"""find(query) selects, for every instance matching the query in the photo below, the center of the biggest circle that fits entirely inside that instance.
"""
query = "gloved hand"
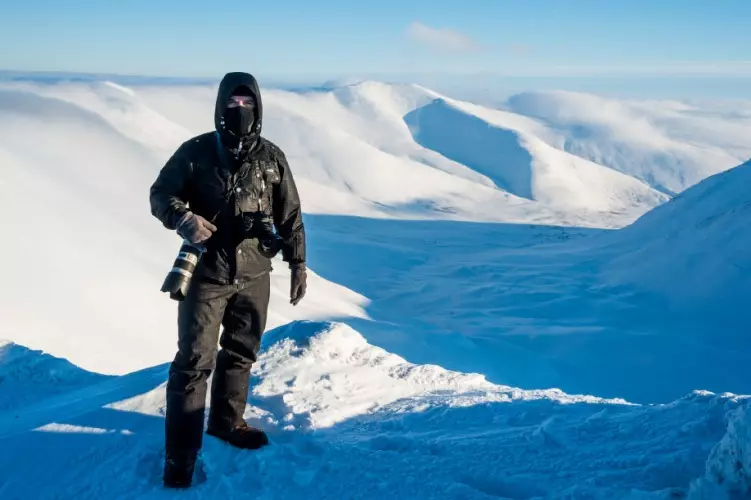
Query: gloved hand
(195, 228)
(298, 283)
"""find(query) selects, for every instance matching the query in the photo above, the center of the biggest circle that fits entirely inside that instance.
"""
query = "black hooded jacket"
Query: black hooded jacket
(207, 175)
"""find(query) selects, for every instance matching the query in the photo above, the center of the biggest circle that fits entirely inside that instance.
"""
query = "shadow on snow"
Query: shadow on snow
(525, 306)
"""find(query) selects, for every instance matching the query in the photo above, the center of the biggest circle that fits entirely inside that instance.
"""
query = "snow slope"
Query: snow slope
(539, 307)
(27, 376)
(350, 420)
(698, 250)
(88, 257)
(523, 164)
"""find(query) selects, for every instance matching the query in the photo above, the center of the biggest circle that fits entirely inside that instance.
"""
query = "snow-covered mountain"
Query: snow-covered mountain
(374, 149)
(667, 144)
(466, 280)
(77, 160)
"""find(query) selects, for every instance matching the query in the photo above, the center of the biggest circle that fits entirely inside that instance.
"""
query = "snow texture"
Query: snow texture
(728, 475)
(348, 419)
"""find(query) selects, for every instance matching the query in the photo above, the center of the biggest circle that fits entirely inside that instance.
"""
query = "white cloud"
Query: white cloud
(440, 38)
(678, 69)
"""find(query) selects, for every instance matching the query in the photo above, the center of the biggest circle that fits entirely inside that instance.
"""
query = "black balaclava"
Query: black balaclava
(235, 126)
(239, 120)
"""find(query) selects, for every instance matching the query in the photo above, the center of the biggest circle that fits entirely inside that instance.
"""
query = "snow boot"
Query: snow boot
(178, 469)
(243, 436)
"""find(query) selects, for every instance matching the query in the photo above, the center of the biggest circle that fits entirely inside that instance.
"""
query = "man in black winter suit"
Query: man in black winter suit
(231, 191)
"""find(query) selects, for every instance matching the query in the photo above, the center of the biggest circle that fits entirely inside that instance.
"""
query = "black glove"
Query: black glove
(195, 228)
(298, 283)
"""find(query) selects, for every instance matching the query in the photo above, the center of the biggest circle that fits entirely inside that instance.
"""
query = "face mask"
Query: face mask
(239, 120)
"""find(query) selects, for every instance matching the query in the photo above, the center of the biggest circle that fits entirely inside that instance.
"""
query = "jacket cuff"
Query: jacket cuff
(182, 219)
(294, 250)
(179, 215)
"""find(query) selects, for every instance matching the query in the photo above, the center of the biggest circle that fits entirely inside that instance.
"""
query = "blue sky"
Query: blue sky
(331, 39)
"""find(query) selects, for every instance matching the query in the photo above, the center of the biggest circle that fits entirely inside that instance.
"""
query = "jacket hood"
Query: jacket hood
(227, 86)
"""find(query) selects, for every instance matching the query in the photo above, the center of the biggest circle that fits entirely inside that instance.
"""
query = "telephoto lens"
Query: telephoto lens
(178, 279)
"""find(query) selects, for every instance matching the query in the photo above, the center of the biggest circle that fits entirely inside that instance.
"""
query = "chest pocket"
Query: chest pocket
(207, 188)
(271, 174)
(256, 194)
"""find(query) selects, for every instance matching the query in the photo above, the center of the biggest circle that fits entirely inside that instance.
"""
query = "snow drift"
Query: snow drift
(28, 377)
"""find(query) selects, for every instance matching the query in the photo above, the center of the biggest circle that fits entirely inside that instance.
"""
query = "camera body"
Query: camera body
(260, 226)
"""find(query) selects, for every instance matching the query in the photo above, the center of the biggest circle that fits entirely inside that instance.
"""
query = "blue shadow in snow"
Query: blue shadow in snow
(524, 306)
(68, 443)
(468, 140)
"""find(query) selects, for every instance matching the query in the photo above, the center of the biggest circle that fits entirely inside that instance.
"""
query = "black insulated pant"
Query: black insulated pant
(241, 310)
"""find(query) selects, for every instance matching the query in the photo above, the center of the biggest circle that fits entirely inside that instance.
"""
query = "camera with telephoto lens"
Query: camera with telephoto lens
(178, 279)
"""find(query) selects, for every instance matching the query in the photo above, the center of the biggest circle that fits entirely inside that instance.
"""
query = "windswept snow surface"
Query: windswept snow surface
(465, 281)
(28, 376)
(728, 472)
(350, 420)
